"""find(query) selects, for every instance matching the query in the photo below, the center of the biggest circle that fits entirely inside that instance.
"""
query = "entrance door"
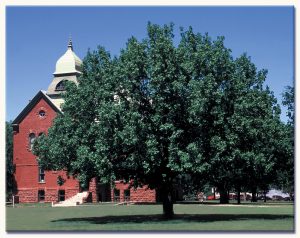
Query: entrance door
(61, 195)
(41, 195)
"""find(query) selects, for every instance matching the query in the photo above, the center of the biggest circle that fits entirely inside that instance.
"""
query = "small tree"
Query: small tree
(9, 160)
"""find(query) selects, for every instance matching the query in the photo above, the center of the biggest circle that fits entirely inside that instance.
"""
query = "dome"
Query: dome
(69, 62)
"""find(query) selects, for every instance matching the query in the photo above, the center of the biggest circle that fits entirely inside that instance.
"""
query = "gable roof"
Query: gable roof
(40, 95)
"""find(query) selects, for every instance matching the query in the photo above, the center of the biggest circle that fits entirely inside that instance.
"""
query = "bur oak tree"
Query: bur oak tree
(159, 112)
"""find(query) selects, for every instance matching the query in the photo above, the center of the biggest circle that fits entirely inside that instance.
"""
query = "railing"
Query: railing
(12, 202)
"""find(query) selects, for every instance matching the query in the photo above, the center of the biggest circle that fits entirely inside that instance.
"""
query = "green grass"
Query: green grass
(189, 217)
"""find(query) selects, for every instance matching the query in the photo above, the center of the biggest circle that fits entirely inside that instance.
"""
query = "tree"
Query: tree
(125, 118)
(9, 160)
(231, 115)
(286, 172)
(208, 65)
(254, 124)
(154, 115)
(289, 102)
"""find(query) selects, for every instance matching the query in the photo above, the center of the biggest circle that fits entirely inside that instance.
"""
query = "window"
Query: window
(61, 195)
(42, 113)
(41, 175)
(127, 195)
(116, 195)
(31, 140)
(61, 86)
(41, 195)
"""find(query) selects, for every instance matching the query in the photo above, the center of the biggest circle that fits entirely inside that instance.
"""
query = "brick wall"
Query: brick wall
(143, 194)
(28, 195)
(27, 170)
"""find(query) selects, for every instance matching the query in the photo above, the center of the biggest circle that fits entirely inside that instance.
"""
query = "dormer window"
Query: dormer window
(61, 86)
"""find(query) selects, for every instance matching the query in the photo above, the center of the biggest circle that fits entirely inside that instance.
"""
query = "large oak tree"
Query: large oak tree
(158, 111)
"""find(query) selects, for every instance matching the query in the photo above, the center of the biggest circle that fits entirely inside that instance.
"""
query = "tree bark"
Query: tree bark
(223, 196)
(214, 193)
(254, 198)
(239, 195)
(291, 196)
(265, 196)
(168, 210)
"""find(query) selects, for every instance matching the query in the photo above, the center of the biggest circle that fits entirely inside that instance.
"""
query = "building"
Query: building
(33, 184)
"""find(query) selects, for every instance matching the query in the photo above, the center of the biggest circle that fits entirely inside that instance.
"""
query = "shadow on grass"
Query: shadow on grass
(233, 203)
(177, 218)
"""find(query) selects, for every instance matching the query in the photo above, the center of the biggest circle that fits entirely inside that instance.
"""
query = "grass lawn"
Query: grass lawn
(189, 217)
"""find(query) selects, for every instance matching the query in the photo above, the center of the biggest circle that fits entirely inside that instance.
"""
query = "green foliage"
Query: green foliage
(9, 159)
(158, 111)
(60, 180)
(285, 175)
(289, 101)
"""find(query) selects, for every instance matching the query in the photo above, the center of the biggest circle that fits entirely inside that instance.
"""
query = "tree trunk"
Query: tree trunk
(223, 196)
(214, 193)
(254, 198)
(291, 196)
(168, 211)
(265, 196)
(239, 195)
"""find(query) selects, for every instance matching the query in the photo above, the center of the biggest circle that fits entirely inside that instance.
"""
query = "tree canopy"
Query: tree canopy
(285, 175)
(159, 111)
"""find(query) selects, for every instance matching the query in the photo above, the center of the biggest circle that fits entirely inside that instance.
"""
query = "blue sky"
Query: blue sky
(37, 36)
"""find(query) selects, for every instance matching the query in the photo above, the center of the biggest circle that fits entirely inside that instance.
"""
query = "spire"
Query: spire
(70, 44)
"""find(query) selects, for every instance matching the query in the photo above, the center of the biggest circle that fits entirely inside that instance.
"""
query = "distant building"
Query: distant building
(33, 184)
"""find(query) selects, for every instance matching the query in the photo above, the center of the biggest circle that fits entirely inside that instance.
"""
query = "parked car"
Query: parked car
(263, 198)
(277, 198)
(210, 197)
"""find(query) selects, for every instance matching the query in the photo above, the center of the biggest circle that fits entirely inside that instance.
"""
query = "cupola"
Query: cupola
(68, 68)
(69, 63)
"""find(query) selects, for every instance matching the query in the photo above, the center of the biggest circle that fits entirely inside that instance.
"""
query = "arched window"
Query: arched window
(61, 86)
(31, 140)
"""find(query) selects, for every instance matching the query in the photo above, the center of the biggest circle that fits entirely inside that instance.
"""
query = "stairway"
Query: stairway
(72, 201)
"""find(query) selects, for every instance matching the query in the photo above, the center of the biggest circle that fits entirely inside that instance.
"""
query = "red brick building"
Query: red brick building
(33, 184)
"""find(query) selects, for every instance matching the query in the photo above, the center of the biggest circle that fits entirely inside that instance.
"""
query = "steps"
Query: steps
(72, 201)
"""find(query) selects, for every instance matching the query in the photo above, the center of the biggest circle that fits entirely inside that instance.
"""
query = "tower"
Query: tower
(33, 183)
(68, 68)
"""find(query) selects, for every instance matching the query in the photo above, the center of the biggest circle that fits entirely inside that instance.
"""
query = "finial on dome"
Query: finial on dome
(70, 44)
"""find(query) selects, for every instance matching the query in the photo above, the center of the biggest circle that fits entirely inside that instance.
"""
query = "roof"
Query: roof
(69, 62)
(40, 95)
